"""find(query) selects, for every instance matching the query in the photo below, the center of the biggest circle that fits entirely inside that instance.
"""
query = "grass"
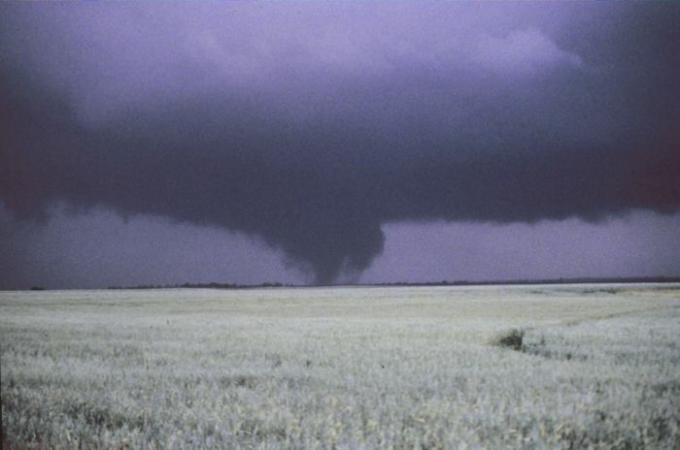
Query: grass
(429, 367)
(512, 339)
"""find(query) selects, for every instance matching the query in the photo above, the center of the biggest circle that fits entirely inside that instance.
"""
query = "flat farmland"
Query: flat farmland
(539, 366)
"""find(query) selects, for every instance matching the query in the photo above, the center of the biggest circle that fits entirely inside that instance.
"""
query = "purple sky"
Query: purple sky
(100, 248)
(337, 142)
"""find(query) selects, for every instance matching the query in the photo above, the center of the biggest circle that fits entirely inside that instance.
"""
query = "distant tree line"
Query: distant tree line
(212, 285)
(215, 285)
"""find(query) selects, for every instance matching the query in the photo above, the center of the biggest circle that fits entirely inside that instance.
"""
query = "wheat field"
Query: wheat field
(493, 367)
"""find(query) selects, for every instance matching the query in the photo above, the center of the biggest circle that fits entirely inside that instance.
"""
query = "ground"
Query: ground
(542, 366)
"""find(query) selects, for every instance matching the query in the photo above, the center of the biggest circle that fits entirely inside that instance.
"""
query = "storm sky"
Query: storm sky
(322, 142)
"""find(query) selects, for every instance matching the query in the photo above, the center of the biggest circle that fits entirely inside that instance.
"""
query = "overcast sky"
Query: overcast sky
(318, 142)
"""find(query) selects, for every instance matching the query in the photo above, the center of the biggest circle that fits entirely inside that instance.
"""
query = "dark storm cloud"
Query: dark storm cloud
(310, 125)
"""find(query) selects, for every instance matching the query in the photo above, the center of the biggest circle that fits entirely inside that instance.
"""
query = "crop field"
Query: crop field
(536, 367)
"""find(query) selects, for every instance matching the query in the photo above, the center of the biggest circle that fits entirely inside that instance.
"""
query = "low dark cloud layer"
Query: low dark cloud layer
(311, 125)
